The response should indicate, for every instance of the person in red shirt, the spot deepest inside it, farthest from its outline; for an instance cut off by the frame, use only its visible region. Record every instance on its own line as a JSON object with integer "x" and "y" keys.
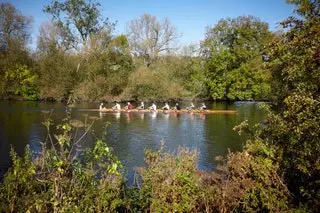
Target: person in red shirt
{"x": 129, "y": 106}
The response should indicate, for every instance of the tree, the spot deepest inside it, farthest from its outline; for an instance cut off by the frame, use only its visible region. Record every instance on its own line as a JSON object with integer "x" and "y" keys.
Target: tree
{"x": 293, "y": 127}
{"x": 233, "y": 49}
{"x": 78, "y": 19}
{"x": 106, "y": 69}
{"x": 14, "y": 36}
{"x": 14, "y": 27}
{"x": 20, "y": 81}
{"x": 51, "y": 37}
{"x": 149, "y": 37}
{"x": 295, "y": 67}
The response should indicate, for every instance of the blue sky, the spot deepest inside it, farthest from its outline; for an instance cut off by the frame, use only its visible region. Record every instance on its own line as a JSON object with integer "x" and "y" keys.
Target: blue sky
{"x": 191, "y": 17}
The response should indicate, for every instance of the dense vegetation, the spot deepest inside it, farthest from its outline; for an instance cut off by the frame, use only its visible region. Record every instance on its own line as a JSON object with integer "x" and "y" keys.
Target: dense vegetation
{"x": 278, "y": 171}
{"x": 78, "y": 55}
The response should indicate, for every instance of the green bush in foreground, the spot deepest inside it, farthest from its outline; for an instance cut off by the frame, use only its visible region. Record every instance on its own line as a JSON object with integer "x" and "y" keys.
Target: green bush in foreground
{"x": 244, "y": 182}
{"x": 59, "y": 181}
{"x": 64, "y": 178}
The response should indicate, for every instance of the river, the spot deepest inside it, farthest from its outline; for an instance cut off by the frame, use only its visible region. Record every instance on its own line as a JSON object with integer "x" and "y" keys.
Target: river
{"x": 130, "y": 133}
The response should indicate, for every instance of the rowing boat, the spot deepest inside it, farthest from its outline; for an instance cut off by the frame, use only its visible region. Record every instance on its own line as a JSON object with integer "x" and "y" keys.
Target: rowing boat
{"x": 208, "y": 111}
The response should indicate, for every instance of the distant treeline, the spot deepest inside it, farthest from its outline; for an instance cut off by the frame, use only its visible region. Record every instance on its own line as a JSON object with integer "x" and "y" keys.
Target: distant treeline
{"x": 78, "y": 56}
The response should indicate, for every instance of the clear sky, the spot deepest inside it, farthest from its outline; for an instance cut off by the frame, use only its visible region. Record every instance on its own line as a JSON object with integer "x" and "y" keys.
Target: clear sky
{"x": 191, "y": 17}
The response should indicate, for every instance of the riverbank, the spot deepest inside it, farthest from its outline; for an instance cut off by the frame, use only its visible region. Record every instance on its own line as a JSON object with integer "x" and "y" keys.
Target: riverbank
{"x": 167, "y": 183}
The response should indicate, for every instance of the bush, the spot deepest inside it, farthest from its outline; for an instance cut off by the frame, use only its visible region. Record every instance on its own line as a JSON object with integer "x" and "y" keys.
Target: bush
{"x": 169, "y": 183}
{"x": 20, "y": 81}
{"x": 57, "y": 180}
{"x": 145, "y": 84}
{"x": 244, "y": 182}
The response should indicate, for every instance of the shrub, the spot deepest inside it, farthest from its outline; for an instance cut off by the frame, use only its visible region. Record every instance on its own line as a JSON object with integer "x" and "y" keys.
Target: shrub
{"x": 169, "y": 183}
{"x": 20, "y": 81}
{"x": 244, "y": 182}
{"x": 57, "y": 180}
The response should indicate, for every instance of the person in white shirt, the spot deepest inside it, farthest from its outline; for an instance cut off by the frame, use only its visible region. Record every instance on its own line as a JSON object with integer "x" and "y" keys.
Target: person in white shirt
{"x": 116, "y": 107}
{"x": 153, "y": 106}
{"x": 166, "y": 106}
{"x": 141, "y": 106}
{"x": 203, "y": 106}
{"x": 191, "y": 107}
{"x": 101, "y": 107}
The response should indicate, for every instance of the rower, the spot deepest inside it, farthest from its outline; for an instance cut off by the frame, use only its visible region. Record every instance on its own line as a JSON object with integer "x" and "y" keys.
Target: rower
{"x": 203, "y": 107}
{"x": 129, "y": 106}
{"x": 116, "y": 107}
{"x": 166, "y": 106}
{"x": 153, "y": 106}
{"x": 101, "y": 106}
{"x": 191, "y": 107}
{"x": 141, "y": 106}
{"x": 177, "y": 107}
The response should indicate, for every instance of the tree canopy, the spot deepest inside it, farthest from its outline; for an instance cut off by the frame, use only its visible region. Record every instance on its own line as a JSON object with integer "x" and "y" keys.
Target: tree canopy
{"x": 149, "y": 37}
{"x": 78, "y": 19}
{"x": 233, "y": 50}
{"x": 14, "y": 26}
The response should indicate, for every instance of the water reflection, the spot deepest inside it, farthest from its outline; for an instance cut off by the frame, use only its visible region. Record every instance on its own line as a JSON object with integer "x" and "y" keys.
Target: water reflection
{"x": 202, "y": 116}
{"x": 141, "y": 115}
{"x": 128, "y": 116}
{"x": 131, "y": 132}
{"x": 153, "y": 115}
{"x": 166, "y": 115}
{"x": 117, "y": 115}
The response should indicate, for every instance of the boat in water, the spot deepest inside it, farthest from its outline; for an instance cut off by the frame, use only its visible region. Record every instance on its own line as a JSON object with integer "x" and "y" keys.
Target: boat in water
{"x": 207, "y": 111}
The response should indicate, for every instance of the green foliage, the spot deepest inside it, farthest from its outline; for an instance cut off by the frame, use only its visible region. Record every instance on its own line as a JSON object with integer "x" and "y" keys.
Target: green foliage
{"x": 295, "y": 132}
{"x": 234, "y": 66}
{"x": 144, "y": 83}
{"x": 291, "y": 130}
{"x": 14, "y": 36}
{"x": 105, "y": 70}
{"x": 78, "y": 19}
{"x": 57, "y": 74}
{"x": 295, "y": 64}
{"x": 169, "y": 183}
{"x": 294, "y": 127}
{"x": 58, "y": 180}
{"x": 245, "y": 182}
{"x": 20, "y": 81}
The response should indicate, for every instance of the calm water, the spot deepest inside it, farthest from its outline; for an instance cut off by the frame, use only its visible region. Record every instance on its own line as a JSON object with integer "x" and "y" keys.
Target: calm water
{"x": 130, "y": 133}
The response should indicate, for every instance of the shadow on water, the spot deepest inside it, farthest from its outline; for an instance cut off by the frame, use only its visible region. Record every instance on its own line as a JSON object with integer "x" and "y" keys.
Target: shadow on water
{"x": 130, "y": 133}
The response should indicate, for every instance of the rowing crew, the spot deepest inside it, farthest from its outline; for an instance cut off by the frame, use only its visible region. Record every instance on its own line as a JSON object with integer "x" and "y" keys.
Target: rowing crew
{"x": 153, "y": 107}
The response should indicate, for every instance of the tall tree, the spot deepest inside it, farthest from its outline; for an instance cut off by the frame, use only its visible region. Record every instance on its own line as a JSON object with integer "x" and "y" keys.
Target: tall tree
{"x": 78, "y": 19}
{"x": 149, "y": 37}
{"x": 293, "y": 129}
{"x": 233, "y": 50}
{"x": 55, "y": 64}
{"x": 14, "y": 27}
{"x": 52, "y": 37}
{"x": 14, "y": 36}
